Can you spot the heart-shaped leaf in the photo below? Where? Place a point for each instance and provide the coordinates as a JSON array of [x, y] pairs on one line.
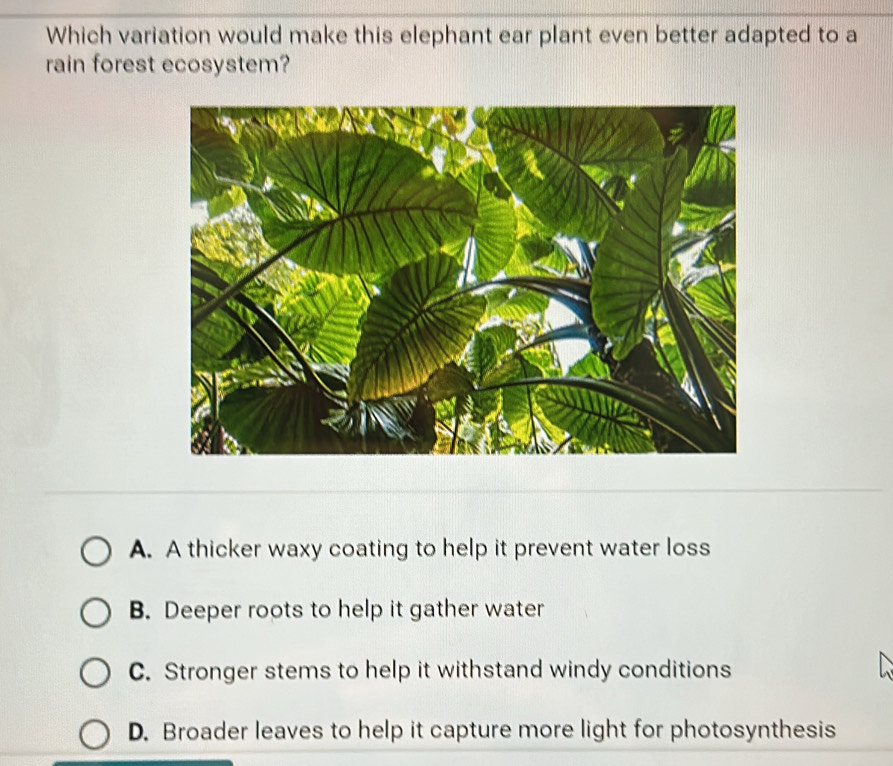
[[633, 258], [378, 205], [412, 328], [554, 159]]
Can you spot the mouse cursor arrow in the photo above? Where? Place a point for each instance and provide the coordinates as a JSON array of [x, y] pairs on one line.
[[886, 666]]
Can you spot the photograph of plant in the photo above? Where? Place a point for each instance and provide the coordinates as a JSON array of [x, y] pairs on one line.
[[463, 280]]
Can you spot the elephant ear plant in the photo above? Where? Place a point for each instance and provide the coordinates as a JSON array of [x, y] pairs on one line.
[[464, 281]]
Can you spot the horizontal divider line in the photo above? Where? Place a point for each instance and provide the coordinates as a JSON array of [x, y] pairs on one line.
[[430, 15], [563, 491], [492, 750]]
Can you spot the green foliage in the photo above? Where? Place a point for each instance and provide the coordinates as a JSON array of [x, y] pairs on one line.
[[596, 420], [711, 181], [218, 160], [415, 325], [553, 159], [374, 205], [492, 235], [634, 258], [393, 280], [323, 313], [279, 419]]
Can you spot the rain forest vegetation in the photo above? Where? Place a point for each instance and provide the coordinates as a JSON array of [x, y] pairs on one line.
[[463, 280]]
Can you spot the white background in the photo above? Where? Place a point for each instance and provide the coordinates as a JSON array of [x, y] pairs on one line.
[[94, 379]]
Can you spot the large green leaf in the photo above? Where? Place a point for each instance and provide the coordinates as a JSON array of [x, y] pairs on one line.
[[700, 434], [257, 138], [711, 182], [589, 366], [520, 408], [487, 348], [511, 303], [448, 382], [215, 155], [493, 233], [715, 295], [535, 248], [723, 247], [298, 419], [413, 327], [554, 158], [324, 314], [214, 339], [279, 420], [633, 258], [378, 205], [702, 217], [594, 419]]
